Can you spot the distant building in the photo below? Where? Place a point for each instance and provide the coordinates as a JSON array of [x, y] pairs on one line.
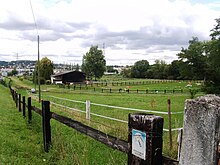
[[5, 74], [69, 77]]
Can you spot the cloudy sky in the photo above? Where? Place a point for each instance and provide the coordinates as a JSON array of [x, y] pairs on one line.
[[129, 30]]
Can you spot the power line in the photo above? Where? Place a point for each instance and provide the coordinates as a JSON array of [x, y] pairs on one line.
[[38, 44], [35, 23]]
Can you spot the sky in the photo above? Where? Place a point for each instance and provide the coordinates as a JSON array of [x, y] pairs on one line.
[[126, 30]]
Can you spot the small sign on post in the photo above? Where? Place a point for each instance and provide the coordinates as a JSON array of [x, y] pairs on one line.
[[145, 139], [139, 144]]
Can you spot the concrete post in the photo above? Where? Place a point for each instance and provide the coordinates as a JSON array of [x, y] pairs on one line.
[[201, 131]]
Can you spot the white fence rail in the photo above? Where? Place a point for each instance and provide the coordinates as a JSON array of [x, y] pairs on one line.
[[124, 108], [88, 113]]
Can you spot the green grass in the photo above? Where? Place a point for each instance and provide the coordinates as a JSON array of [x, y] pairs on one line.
[[156, 102], [21, 143]]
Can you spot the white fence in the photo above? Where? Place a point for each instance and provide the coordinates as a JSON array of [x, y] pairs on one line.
[[88, 113]]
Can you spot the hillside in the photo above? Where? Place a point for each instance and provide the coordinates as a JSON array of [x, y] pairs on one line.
[[22, 143]]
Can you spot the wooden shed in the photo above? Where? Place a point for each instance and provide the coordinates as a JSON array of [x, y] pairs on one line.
[[69, 77]]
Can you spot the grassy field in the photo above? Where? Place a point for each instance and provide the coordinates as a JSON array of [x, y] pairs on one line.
[[22, 143], [156, 102]]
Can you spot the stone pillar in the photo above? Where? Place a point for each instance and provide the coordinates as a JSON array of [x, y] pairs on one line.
[[201, 131]]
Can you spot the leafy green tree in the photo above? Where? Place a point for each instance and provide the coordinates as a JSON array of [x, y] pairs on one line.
[[174, 70], [93, 63], [126, 72], [212, 81], [139, 69], [159, 70], [193, 60], [14, 71], [46, 70]]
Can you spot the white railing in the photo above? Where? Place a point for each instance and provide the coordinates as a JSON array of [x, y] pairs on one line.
[[109, 106]]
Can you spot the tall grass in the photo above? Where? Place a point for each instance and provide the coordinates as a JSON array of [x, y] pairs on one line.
[[22, 143]]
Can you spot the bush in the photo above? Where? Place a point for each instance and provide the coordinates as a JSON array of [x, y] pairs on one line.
[[48, 82], [21, 78]]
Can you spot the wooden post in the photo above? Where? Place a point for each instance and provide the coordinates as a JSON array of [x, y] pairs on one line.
[[19, 103], [16, 99], [13, 94], [87, 110], [145, 139], [29, 110], [46, 116], [179, 141], [170, 126], [219, 153], [24, 104]]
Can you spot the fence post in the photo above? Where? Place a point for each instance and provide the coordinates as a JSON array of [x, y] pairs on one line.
[[19, 103], [16, 99], [29, 110], [24, 104], [87, 110], [13, 94], [46, 125], [170, 125], [145, 139], [201, 131]]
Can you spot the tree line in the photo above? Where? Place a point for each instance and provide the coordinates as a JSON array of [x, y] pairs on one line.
[[200, 61]]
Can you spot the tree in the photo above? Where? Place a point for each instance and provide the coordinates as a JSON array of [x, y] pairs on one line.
[[174, 70], [139, 69], [46, 70], [193, 60], [14, 71], [159, 70], [126, 72], [212, 81], [93, 63]]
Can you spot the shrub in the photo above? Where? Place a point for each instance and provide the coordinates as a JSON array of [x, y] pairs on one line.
[[48, 82], [21, 78]]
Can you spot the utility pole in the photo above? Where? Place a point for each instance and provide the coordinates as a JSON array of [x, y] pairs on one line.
[[38, 43]]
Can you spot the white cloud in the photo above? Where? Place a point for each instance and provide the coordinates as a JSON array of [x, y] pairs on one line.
[[131, 30]]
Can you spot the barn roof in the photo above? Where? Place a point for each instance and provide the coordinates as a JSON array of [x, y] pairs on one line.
[[62, 73]]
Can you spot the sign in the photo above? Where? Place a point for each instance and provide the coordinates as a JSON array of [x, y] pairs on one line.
[[139, 143]]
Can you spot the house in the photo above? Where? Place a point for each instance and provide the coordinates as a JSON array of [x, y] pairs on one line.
[[68, 77]]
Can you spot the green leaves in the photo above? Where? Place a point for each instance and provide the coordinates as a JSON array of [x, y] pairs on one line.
[[94, 64], [46, 70]]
